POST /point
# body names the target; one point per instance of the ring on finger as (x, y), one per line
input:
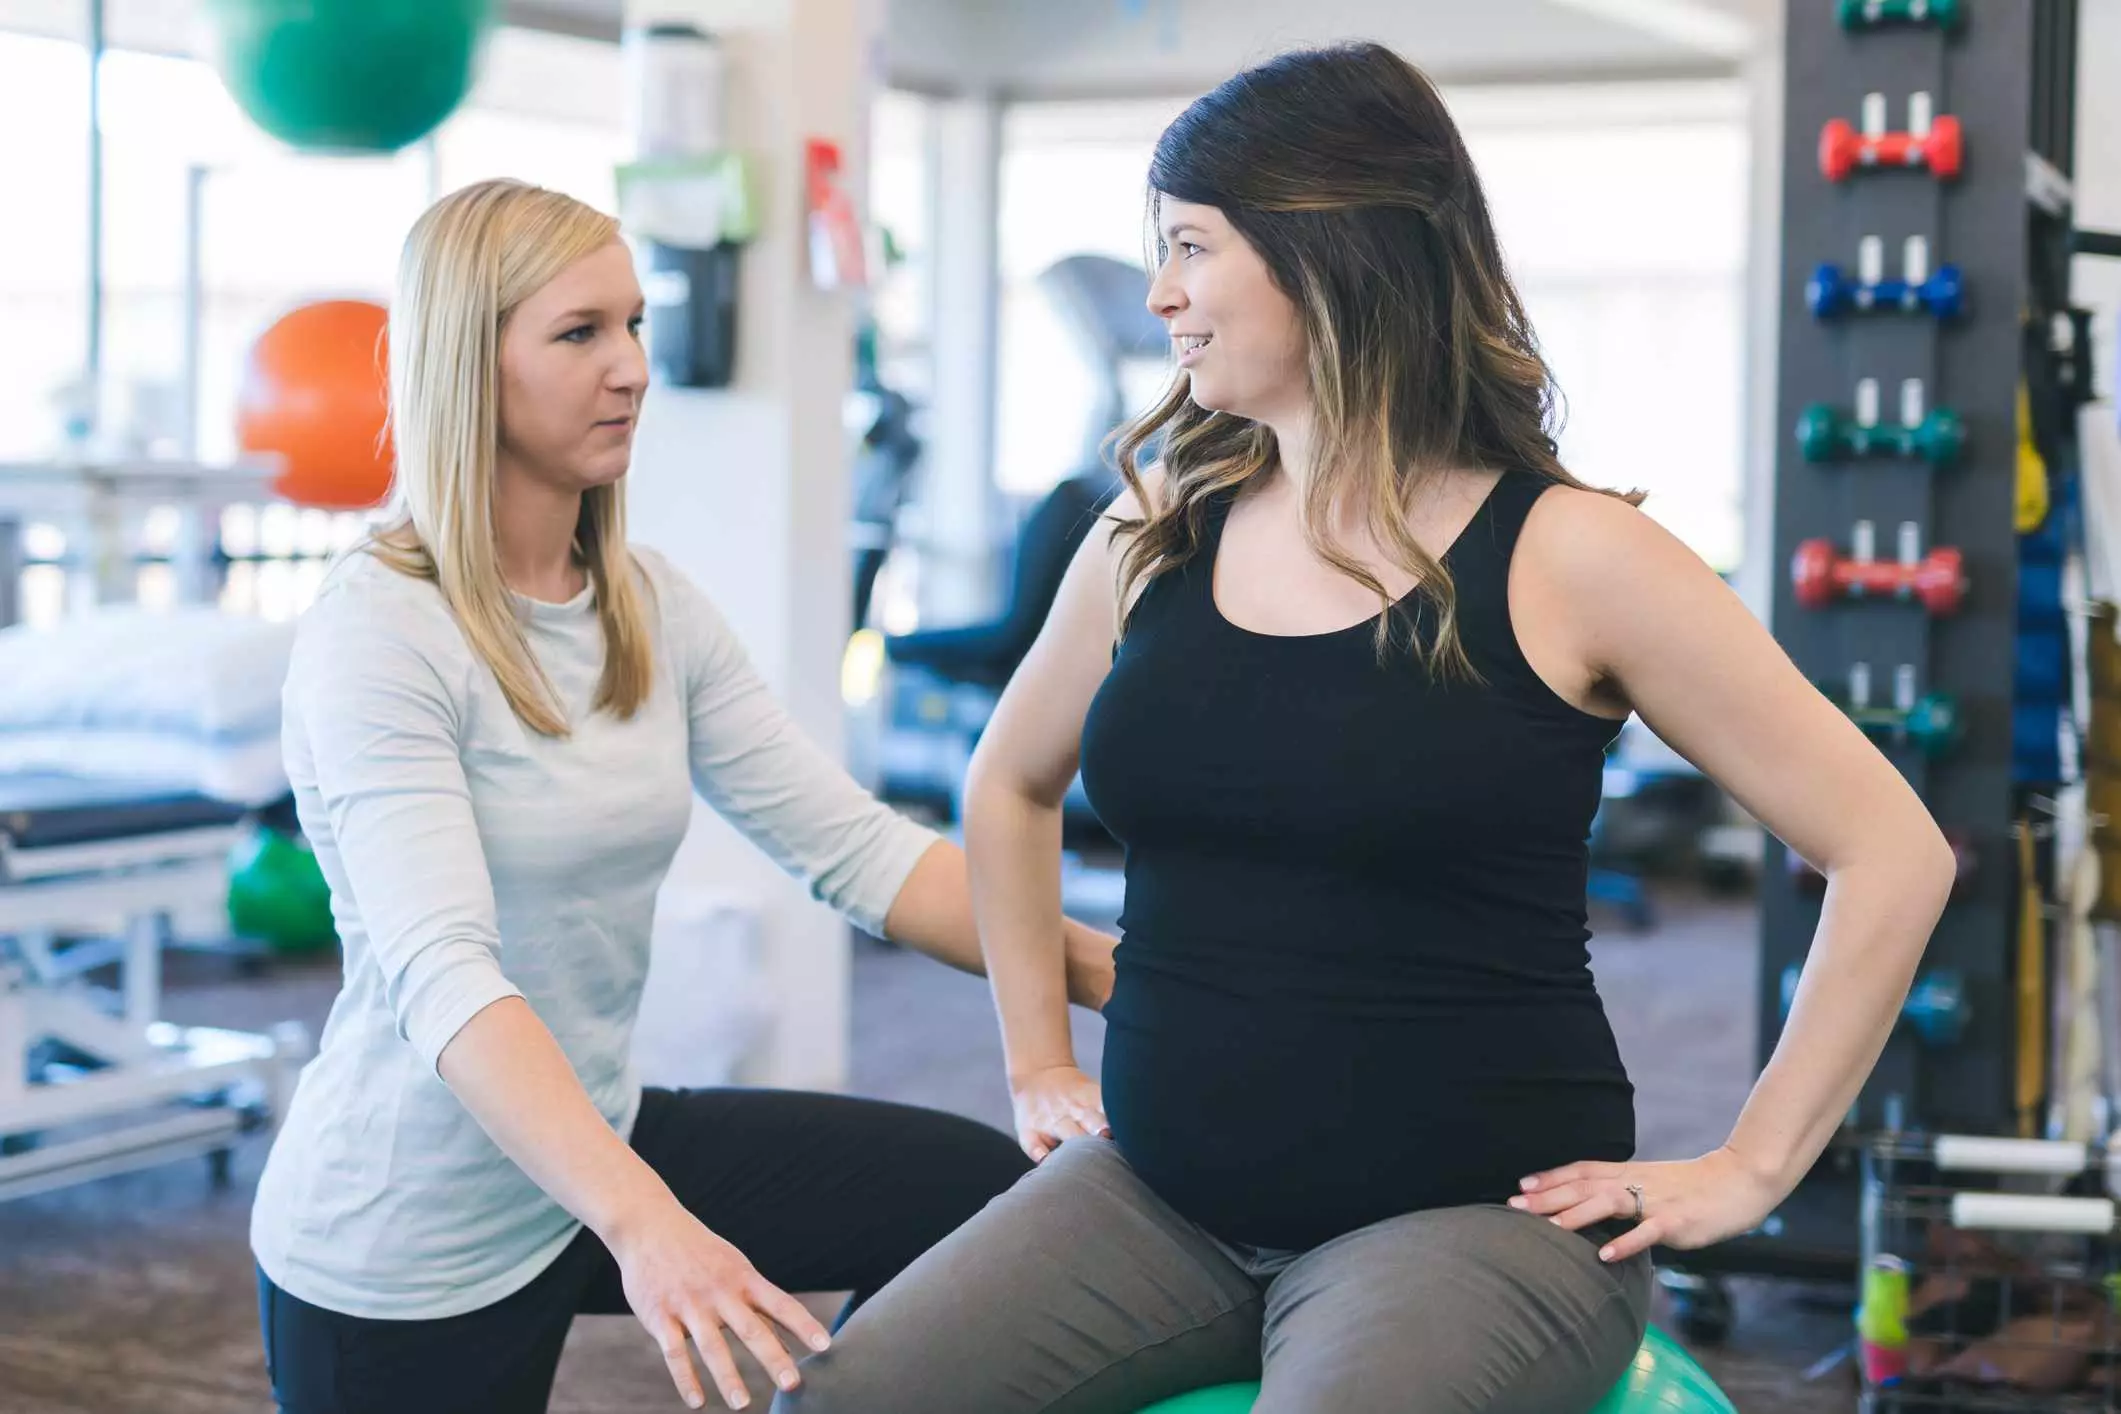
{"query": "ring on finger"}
(1635, 1192)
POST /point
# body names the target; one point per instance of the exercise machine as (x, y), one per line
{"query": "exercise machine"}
(96, 874)
(92, 1080)
(943, 681)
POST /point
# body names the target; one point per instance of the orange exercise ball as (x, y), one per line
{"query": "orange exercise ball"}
(315, 395)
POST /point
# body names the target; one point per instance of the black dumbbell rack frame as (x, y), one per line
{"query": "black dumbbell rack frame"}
(2008, 76)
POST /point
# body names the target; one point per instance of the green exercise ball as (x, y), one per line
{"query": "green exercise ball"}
(347, 75)
(277, 894)
(1222, 1399)
(1662, 1379)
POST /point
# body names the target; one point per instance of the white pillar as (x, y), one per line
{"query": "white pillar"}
(2095, 281)
(746, 488)
(958, 497)
(1755, 580)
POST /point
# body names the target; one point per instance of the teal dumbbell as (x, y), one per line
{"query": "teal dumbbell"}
(1936, 1008)
(1865, 14)
(1931, 725)
(1929, 722)
(1826, 434)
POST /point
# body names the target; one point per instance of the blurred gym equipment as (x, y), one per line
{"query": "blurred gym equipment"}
(315, 396)
(347, 75)
(944, 681)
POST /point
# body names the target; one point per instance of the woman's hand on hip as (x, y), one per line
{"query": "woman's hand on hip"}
(1683, 1205)
(1056, 1104)
(686, 1284)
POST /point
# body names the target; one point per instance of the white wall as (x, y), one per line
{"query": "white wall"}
(1764, 78)
(2097, 282)
(962, 512)
(746, 488)
(1087, 47)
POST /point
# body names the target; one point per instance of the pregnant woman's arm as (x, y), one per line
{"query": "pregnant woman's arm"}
(1638, 611)
(1026, 758)
(383, 730)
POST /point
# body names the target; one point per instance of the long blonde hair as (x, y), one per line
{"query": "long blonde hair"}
(469, 261)
(1343, 169)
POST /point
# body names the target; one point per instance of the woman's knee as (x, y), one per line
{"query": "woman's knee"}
(837, 1381)
(1075, 1279)
(1452, 1311)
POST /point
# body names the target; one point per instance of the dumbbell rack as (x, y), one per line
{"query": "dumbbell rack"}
(2006, 75)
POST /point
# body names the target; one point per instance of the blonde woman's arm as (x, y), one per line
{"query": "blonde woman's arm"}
(760, 771)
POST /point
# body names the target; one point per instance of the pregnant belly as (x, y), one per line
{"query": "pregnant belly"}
(1286, 1129)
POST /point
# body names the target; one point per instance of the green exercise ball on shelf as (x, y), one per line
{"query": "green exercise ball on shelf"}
(277, 894)
(1662, 1379)
(347, 75)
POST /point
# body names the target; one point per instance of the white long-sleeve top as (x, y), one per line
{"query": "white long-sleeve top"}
(471, 859)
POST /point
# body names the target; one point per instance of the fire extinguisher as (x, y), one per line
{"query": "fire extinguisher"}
(836, 256)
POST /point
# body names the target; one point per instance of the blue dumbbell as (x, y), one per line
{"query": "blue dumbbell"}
(2040, 595)
(2036, 742)
(1936, 1007)
(2043, 664)
(1832, 292)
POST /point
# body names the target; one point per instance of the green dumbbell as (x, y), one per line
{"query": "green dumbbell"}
(1863, 14)
(1931, 726)
(1826, 435)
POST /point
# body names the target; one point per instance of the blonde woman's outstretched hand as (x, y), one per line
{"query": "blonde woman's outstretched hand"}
(688, 1285)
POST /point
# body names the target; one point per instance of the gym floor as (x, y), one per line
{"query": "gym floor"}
(135, 1294)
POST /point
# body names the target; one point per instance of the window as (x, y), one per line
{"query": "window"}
(1073, 181)
(277, 228)
(900, 205)
(1634, 281)
(548, 109)
(43, 243)
(888, 493)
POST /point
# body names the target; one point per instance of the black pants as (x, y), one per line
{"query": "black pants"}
(821, 1192)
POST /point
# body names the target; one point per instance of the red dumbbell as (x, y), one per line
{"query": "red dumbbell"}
(1822, 574)
(1842, 149)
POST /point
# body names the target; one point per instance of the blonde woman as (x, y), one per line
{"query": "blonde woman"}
(491, 717)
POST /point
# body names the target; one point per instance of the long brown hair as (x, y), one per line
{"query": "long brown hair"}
(1342, 168)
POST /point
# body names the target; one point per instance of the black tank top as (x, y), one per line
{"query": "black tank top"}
(1353, 981)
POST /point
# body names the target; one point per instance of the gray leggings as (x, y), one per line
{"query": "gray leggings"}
(1081, 1292)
